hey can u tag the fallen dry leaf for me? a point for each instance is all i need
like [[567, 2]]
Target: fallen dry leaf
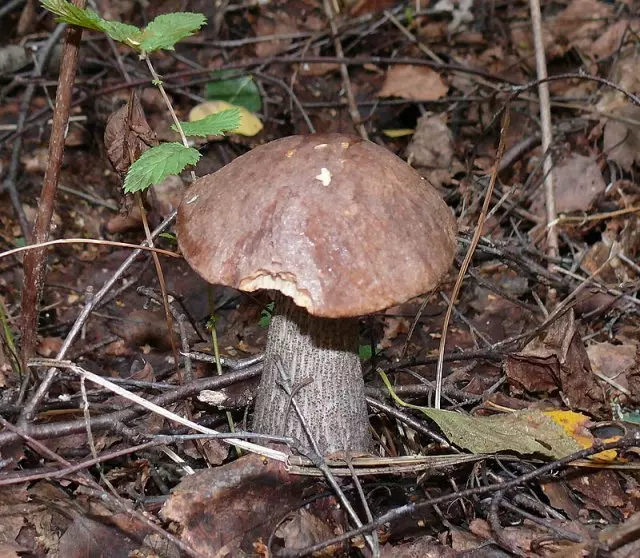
[[626, 74], [416, 83], [233, 506], [601, 487], [362, 7], [571, 29], [577, 426], [14, 499], [613, 361], [609, 42], [432, 144], [578, 182], [49, 347], [520, 538], [557, 360], [128, 135], [280, 23], [306, 529], [86, 537], [621, 140], [166, 196]]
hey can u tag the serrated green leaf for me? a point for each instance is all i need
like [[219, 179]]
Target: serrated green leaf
[[167, 29], [155, 164], [241, 90], [68, 13], [212, 125], [122, 33]]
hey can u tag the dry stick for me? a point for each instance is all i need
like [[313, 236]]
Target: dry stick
[[157, 409], [259, 62], [111, 420], [356, 61], [139, 248], [158, 440], [161, 281], [344, 71], [424, 48], [34, 261], [467, 258], [630, 440], [30, 408], [42, 61], [180, 318], [545, 125], [44, 451]]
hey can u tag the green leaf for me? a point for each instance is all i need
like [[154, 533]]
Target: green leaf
[[68, 13], [241, 90], [171, 237], [365, 352], [266, 315], [122, 33], [525, 432], [155, 164], [212, 125], [167, 29], [211, 323]]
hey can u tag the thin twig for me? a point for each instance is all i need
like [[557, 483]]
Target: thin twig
[[134, 398], [9, 184], [545, 125], [112, 420], [116, 502], [138, 247], [630, 440], [344, 71], [30, 408], [469, 255]]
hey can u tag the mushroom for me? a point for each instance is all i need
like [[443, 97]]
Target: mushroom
[[339, 228]]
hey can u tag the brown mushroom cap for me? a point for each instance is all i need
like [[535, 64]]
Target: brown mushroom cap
[[340, 225]]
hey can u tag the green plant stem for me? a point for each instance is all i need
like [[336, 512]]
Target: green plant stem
[[216, 353], [9, 341], [158, 83]]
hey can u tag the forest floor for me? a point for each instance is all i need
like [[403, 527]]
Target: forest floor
[[541, 357]]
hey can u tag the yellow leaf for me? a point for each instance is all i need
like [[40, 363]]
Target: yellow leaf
[[577, 425], [398, 132], [250, 124]]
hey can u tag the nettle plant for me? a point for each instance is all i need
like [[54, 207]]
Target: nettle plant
[[163, 33]]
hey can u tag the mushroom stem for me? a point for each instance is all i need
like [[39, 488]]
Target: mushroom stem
[[324, 353]]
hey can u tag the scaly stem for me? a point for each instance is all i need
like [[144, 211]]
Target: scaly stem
[[322, 366]]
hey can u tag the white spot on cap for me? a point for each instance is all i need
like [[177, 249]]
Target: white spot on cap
[[324, 176], [345, 145], [320, 146], [290, 153], [193, 199]]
